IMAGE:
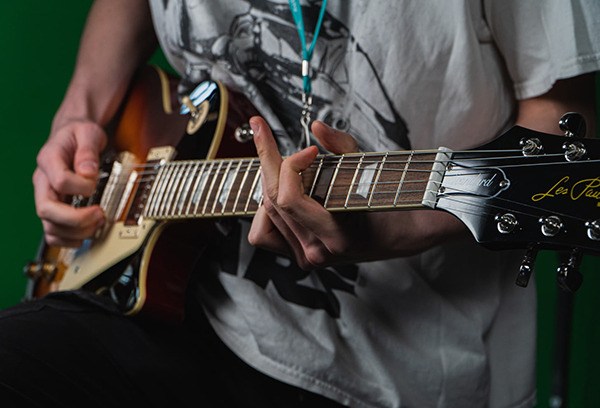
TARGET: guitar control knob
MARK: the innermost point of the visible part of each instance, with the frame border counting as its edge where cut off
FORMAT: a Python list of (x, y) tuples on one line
[(593, 230), (526, 268), (572, 124), (37, 270), (551, 226), (506, 223), (568, 276), (244, 134)]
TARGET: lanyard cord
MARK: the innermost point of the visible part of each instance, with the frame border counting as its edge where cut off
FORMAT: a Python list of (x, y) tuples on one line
[(307, 54)]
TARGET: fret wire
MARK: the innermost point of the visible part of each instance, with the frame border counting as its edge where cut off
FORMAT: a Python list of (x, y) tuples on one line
[(189, 177), (382, 163), (317, 173), (254, 183), (167, 189), (150, 199), (212, 184), (237, 198), (356, 171), (198, 176), (337, 168), (220, 189), (177, 172), (159, 183), (203, 181), (183, 180), (402, 179), (237, 170)]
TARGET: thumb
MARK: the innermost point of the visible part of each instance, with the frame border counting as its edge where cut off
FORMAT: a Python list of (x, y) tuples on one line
[(90, 139), (335, 141)]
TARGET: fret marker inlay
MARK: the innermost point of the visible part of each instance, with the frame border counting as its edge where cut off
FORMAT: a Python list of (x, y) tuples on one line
[(366, 180)]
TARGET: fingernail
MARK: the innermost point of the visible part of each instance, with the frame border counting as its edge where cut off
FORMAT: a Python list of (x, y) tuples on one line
[(254, 126), (88, 167)]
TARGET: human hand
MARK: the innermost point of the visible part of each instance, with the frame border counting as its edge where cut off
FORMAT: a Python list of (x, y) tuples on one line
[(293, 224), (68, 165)]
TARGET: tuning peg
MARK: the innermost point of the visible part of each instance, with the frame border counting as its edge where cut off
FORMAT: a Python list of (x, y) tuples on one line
[(568, 276), (526, 268), (572, 124)]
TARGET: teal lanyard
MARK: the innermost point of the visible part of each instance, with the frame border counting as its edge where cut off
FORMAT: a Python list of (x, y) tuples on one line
[(307, 55)]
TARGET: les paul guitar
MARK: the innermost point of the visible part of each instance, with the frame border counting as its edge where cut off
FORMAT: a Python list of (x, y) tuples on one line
[(523, 190)]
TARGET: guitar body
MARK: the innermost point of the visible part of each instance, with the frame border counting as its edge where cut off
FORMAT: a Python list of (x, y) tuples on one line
[(145, 267)]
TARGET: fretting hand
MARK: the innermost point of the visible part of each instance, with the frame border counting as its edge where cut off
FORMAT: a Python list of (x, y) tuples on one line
[(293, 224)]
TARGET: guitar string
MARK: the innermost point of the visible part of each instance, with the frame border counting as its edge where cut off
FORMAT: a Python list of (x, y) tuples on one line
[(217, 174), (331, 164), (352, 167)]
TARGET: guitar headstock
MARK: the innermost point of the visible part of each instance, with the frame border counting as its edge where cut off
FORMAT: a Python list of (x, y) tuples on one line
[(532, 190)]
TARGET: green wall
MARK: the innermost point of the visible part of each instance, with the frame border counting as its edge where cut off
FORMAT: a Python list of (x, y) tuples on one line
[(38, 42)]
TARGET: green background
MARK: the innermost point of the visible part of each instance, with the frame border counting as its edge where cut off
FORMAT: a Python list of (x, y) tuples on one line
[(38, 43)]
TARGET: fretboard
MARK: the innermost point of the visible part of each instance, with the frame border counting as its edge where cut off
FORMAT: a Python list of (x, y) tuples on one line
[(232, 187)]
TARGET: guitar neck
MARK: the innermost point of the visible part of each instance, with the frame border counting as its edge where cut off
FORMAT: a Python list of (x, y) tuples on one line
[(232, 187)]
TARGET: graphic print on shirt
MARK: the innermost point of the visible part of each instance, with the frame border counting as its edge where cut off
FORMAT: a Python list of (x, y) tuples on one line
[(259, 54), (312, 289)]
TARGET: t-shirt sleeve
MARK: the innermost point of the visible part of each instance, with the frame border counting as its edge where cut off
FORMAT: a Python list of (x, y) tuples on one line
[(544, 41)]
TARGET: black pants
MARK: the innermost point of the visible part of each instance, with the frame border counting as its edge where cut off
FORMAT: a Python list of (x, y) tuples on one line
[(73, 349)]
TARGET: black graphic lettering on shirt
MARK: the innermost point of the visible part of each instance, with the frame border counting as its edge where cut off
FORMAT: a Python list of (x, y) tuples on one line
[(312, 289)]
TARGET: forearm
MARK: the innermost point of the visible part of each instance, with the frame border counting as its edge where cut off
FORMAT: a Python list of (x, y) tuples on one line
[(576, 94), (117, 39)]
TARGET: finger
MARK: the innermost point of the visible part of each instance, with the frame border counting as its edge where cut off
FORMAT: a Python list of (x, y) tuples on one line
[(305, 211), (264, 234), (270, 158), (52, 210), (90, 139), (335, 141), (69, 233), (270, 232), (62, 242)]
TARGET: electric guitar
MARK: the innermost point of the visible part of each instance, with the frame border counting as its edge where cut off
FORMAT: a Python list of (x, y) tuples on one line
[(523, 190)]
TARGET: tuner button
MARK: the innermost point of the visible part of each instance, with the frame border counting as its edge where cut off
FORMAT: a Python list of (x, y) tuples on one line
[(526, 268), (506, 223), (551, 226), (572, 124), (568, 276), (593, 230)]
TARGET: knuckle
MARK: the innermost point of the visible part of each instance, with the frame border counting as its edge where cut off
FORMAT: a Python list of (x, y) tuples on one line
[(285, 204), (42, 212), (53, 240), (338, 247), (255, 238), (59, 182), (316, 256)]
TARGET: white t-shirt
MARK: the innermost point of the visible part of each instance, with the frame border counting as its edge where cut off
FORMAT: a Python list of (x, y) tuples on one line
[(445, 328)]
